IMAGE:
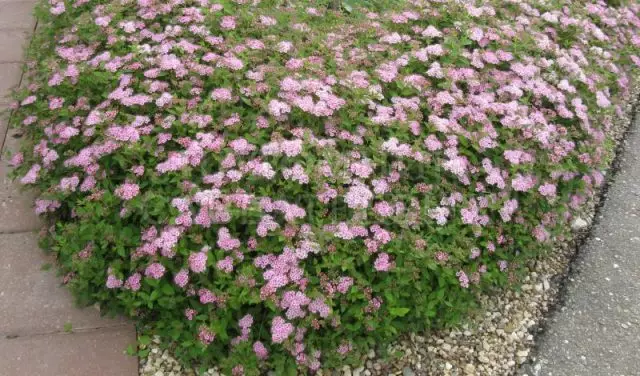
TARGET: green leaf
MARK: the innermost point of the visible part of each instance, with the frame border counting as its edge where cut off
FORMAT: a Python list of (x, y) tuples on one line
[(144, 340), (68, 327), (131, 350), (399, 311), (167, 289)]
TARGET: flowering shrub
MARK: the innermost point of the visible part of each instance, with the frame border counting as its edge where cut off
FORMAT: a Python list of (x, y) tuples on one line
[(273, 187)]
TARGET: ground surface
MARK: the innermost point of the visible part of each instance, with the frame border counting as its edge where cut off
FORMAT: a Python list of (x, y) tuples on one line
[(33, 306), (597, 329)]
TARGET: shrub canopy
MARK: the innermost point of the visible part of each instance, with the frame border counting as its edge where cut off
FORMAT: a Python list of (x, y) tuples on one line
[(269, 185)]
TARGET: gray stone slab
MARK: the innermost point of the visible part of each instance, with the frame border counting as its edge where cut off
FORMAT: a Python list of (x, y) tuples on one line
[(16, 204), (4, 126), (10, 74), (96, 352), (32, 300), (597, 331), (17, 15), (12, 136), (12, 44)]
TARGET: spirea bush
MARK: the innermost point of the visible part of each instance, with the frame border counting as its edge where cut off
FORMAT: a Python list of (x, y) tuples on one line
[(272, 185)]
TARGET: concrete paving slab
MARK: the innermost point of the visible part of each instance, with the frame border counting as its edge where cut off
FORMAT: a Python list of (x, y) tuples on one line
[(10, 74), (12, 43), (17, 15), (4, 127), (32, 300), (96, 352), (16, 205), (9, 138)]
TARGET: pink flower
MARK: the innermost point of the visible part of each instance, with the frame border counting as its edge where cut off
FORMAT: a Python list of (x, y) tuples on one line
[(32, 175), (190, 313), (113, 282), (601, 100), (198, 262), (456, 165), (518, 156), (440, 215), (383, 263), (358, 196), (291, 148), (280, 330), (127, 191), (206, 296), (284, 46), (296, 173), (228, 23), (181, 278), (344, 348), (222, 95), (432, 143), (523, 183), (28, 100), (344, 284), (476, 34), (548, 190), (164, 100), (69, 184), (206, 335), (278, 108), (138, 170), (267, 21), (225, 241), (55, 103), (319, 306), (225, 265), (266, 224), (237, 370), (463, 279), (294, 303), (246, 322), (155, 270), (361, 169), (508, 209), (58, 8), (133, 282), (260, 350)]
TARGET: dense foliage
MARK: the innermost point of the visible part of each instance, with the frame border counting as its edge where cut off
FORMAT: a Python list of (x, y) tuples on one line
[(269, 185)]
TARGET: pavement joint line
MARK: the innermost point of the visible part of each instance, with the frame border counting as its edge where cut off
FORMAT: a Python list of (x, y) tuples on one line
[(18, 232), (15, 28), (12, 336)]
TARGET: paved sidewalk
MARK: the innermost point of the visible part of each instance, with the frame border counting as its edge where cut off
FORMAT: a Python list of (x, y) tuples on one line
[(34, 308), (597, 331)]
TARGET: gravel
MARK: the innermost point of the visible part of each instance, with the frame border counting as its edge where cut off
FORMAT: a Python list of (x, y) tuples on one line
[(496, 341)]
